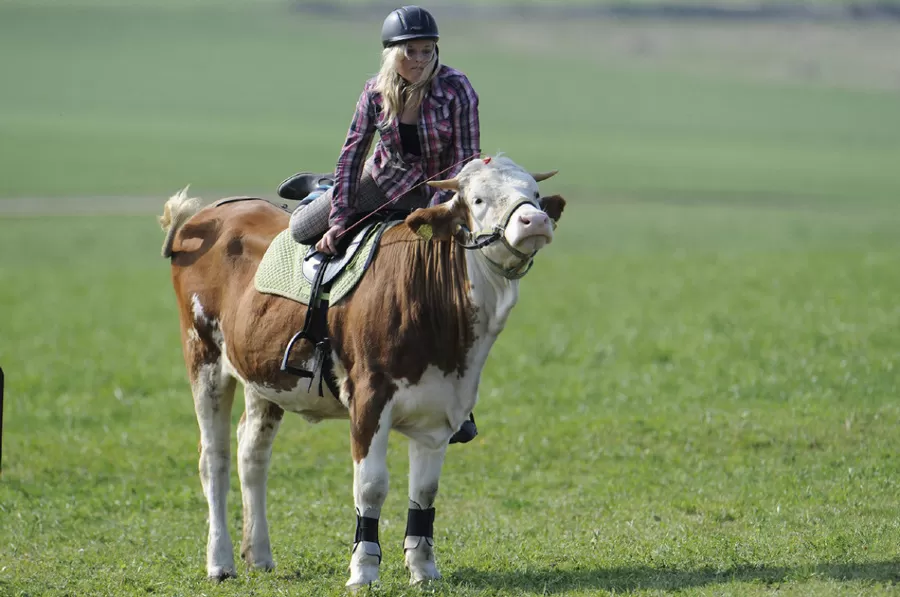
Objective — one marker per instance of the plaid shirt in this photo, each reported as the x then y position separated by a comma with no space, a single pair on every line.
448,133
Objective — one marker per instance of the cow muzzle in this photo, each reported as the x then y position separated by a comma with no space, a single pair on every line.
529,230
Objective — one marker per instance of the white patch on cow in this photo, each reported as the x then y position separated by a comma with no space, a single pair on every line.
493,296
208,378
435,407
431,410
301,398
341,374
197,309
201,319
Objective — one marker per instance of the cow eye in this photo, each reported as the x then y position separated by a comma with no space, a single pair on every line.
478,200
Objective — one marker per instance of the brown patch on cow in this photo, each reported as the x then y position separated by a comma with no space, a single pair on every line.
260,336
553,206
417,292
235,247
273,414
194,240
371,392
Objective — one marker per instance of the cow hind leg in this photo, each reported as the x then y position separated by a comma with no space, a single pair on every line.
369,430
256,434
213,396
418,546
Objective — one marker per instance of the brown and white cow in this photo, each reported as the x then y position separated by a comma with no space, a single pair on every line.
409,345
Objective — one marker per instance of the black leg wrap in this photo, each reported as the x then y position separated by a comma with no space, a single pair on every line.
366,529
420,523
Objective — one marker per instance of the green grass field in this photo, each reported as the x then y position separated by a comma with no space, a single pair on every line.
696,394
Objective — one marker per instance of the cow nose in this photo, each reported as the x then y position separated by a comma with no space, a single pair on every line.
537,218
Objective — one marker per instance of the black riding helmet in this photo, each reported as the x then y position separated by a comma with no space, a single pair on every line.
408,23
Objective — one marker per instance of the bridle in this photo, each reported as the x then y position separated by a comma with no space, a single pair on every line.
485,238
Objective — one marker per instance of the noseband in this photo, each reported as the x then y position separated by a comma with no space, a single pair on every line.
483,239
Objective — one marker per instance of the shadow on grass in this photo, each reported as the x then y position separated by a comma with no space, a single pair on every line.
550,581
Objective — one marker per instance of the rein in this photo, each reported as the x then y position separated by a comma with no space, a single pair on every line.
401,195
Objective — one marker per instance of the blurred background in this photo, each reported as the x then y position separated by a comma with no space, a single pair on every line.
724,100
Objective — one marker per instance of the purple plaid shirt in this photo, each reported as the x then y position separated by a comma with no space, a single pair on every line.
448,133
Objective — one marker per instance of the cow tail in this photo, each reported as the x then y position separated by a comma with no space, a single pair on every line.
178,210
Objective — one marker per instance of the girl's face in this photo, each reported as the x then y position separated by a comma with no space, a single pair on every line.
417,57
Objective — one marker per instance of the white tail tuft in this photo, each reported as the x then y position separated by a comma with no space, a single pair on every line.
178,210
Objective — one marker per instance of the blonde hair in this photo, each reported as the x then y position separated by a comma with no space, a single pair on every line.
394,89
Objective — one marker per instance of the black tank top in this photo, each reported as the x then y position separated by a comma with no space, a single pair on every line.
409,137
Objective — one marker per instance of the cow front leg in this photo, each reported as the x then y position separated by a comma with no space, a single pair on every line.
424,473
370,487
256,433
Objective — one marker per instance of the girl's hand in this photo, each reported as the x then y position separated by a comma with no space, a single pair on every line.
328,243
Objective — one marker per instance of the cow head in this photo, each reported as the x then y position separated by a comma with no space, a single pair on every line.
499,207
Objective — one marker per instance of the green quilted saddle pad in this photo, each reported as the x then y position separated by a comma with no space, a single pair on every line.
281,270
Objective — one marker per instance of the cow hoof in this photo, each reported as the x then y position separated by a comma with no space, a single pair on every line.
422,572
265,565
219,574
361,576
417,577
419,556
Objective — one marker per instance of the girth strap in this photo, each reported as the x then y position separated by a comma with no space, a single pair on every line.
315,330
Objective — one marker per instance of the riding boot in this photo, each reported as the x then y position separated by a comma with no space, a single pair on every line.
305,186
467,431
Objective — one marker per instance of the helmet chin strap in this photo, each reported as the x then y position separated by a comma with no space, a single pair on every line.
485,238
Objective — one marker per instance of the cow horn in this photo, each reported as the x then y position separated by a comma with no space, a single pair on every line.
449,184
539,176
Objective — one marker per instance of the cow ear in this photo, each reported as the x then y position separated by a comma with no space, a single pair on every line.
440,222
433,223
553,206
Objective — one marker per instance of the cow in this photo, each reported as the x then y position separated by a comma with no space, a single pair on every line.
408,346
